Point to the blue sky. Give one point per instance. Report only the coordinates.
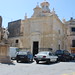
(12, 10)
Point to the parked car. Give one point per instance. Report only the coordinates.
(45, 56)
(73, 55)
(24, 56)
(63, 55)
(13, 52)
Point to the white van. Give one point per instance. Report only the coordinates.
(13, 52)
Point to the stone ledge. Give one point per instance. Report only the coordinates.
(5, 59)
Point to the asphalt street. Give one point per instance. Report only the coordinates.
(60, 68)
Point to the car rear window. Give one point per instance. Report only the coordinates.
(43, 52)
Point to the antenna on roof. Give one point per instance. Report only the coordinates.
(25, 15)
(72, 14)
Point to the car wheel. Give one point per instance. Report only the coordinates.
(32, 60)
(17, 61)
(37, 61)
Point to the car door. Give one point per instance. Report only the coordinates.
(30, 55)
(52, 57)
(67, 54)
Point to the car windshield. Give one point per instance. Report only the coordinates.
(59, 52)
(42, 52)
(22, 53)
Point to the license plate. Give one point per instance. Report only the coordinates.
(53, 59)
(39, 57)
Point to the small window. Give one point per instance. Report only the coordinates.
(59, 46)
(73, 43)
(73, 29)
(59, 31)
(16, 41)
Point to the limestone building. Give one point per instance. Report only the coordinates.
(4, 46)
(42, 31)
(71, 35)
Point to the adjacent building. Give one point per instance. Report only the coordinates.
(71, 35)
(43, 31)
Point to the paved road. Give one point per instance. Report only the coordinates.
(62, 68)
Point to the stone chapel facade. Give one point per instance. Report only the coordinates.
(42, 31)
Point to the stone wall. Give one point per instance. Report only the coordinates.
(4, 54)
(14, 28)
